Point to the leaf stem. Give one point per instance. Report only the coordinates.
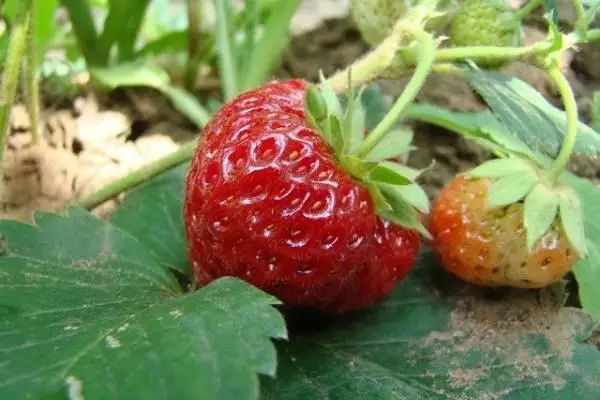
(29, 72)
(139, 176)
(570, 104)
(426, 59)
(528, 8)
(10, 75)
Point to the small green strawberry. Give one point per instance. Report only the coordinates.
(485, 23)
(375, 19)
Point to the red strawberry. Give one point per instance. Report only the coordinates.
(266, 201)
(487, 246)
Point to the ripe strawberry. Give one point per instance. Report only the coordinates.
(487, 246)
(267, 201)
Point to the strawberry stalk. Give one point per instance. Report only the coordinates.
(528, 8)
(29, 72)
(426, 59)
(570, 105)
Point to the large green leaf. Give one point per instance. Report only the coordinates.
(437, 338)
(153, 214)
(527, 115)
(87, 311)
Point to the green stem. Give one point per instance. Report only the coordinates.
(227, 59)
(579, 10)
(29, 71)
(139, 176)
(570, 104)
(528, 8)
(426, 59)
(10, 75)
(80, 16)
(193, 36)
(491, 52)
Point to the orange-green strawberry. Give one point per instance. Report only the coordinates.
(375, 19)
(485, 23)
(488, 246)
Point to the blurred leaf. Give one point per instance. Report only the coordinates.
(551, 10)
(138, 74)
(87, 309)
(228, 67)
(438, 339)
(527, 115)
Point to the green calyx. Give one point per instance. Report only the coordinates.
(516, 179)
(391, 184)
(485, 23)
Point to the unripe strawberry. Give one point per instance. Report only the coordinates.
(485, 23)
(375, 19)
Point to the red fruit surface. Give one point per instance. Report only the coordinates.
(488, 247)
(265, 201)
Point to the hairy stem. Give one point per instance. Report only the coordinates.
(566, 93)
(426, 58)
(10, 75)
(29, 71)
(528, 8)
(139, 176)
(491, 52)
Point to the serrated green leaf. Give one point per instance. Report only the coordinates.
(159, 199)
(500, 167)
(571, 216)
(527, 115)
(511, 188)
(394, 144)
(437, 338)
(382, 173)
(540, 210)
(405, 170)
(85, 304)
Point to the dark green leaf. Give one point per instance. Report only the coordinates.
(86, 307)
(375, 105)
(571, 216)
(436, 338)
(384, 174)
(540, 210)
(527, 115)
(511, 188)
(482, 127)
(153, 214)
(394, 144)
(500, 167)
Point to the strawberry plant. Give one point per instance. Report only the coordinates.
(290, 250)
